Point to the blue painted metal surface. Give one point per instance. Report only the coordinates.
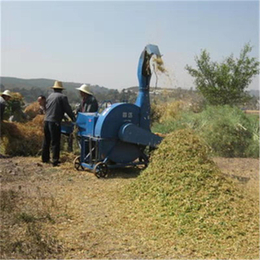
(144, 76)
(131, 133)
(86, 123)
(67, 128)
(110, 121)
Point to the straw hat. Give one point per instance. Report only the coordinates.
(7, 93)
(84, 88)
(58, 85)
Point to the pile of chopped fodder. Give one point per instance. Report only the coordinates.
(32, 110)
(183, 199)
(22, 139)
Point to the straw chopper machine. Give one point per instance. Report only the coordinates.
(119, 135)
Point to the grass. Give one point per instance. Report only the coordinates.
(26, 219)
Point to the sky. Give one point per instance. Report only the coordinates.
(100, 42)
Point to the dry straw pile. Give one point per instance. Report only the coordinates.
(22, 139)
(182, 198)
(32, 110)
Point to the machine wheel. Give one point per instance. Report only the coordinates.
(77, 164)
(101, 170)
(145, 162)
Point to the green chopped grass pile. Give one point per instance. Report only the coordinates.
(183, 199)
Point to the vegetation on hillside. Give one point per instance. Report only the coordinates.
(30, 89)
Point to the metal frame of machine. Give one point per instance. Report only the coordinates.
(93, 159)
(118, 136)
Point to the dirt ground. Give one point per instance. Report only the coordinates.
(84, 208)
(244, 170)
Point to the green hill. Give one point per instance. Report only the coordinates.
(14, 83)
(32, 88)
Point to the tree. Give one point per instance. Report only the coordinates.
(225, 83)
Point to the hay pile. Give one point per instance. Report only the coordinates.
(22, 139)
(186, 201)
(38, 121)
(32, 110)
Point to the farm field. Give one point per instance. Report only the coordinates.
(63, 213)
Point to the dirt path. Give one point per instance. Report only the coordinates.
(93, 211)
(85, 210)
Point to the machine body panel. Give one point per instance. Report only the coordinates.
(86, 123)
(131, 133)
(111, 119)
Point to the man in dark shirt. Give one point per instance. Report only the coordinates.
(56, 105)
(89, 103)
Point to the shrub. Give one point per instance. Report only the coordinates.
(227, 130)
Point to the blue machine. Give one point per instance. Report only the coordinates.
(119, 135)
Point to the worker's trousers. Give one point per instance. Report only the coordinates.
(52, 134)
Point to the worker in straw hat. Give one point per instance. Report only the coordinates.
(4, 98)
(56, 105)
(89, 102)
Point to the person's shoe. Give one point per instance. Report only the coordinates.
(55, 164)
(46, 161)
